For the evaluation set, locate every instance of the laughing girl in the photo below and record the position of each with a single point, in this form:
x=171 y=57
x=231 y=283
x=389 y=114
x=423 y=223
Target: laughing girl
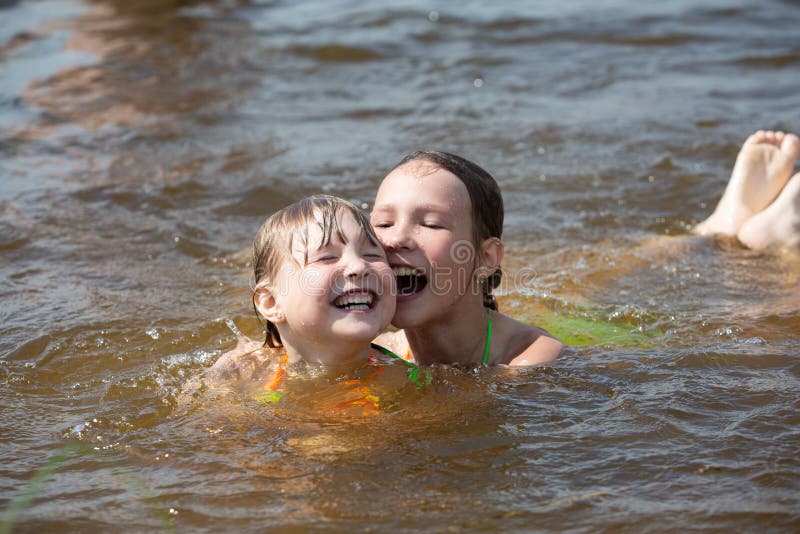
x=440 y=220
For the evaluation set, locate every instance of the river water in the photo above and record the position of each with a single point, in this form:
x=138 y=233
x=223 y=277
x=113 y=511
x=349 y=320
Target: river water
x=142 y=144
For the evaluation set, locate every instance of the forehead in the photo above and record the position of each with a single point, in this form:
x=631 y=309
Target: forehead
x=311 y=235
x=423 y=183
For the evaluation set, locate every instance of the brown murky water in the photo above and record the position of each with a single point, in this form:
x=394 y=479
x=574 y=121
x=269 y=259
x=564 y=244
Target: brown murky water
x=142 y=143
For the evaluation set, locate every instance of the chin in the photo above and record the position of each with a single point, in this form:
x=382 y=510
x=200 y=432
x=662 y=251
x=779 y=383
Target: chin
x=414 y=313
x=408 y=319
x=365 y=333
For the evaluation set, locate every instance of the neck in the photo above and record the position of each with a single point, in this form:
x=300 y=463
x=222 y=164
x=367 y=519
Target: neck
x=457 y=338
x=334 y=355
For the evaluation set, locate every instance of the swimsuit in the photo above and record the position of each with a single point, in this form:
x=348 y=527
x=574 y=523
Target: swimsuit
x=368 y=401
x=408 y=352
x=488 y=338
x=413 y=372
x=270 y=395
x=418 y=377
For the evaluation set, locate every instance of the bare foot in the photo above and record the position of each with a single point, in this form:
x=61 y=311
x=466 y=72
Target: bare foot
x=762 y=167
x=779 y=224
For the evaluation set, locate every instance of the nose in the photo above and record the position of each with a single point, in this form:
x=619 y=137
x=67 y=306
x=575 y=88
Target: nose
x=398 y=237
x=354 y=266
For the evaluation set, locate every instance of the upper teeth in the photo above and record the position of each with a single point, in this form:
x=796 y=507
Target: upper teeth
x=406 y=271
x=361 y=298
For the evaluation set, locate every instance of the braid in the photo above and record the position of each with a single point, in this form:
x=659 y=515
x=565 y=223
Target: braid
x=488 y=285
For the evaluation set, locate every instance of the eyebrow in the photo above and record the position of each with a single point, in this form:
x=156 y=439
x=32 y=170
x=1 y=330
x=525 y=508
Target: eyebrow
x=443 y=211
x=363 y=237
x=424 y=208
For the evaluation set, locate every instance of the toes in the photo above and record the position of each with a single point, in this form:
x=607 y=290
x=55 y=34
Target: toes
x=772 y=137
x=789 y=143
x=754 y=138
x=790 y=146
x=762 y=136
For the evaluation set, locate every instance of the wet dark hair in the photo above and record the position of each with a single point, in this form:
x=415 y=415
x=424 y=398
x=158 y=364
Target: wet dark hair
x=274 y=241
x=485 y=198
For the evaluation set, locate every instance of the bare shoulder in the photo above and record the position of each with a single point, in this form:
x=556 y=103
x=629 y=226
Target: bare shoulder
x=527 y=345
x=247 y=361
x=545 y=349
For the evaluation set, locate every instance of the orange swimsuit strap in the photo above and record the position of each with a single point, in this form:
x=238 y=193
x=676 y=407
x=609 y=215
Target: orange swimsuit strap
x=279 y=373
x=369 y=401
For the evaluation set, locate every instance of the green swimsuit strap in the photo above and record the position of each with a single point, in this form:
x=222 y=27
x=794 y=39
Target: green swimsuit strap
x=488 y=344
x=389 y=353
x=488 y=338
x=418 y=377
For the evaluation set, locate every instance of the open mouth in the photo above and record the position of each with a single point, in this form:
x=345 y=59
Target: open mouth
x=409 y=280
x=355 y=301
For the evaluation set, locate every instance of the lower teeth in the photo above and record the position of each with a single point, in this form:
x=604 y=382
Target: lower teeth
x=360 y=307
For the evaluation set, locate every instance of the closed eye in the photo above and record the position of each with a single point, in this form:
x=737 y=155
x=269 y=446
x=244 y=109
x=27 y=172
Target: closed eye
x=325 y=259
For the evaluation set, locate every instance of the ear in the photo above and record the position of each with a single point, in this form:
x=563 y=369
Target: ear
x=267 y=305
x=491 y=256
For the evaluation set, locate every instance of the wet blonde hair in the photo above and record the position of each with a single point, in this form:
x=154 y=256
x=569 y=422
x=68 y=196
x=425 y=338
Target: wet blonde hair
x=274 y=241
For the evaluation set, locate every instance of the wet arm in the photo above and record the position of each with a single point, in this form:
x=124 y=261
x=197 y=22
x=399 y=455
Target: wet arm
x=544 y=350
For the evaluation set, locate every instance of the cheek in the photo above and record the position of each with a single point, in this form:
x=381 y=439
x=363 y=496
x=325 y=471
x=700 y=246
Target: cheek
x=447 y=251
x=312 y=282
x=386 y=280
x=463 y=253
x=381 y=233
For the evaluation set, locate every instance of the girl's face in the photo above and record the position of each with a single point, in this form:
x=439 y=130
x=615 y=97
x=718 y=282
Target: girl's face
x=343 y=292
x=422 y=215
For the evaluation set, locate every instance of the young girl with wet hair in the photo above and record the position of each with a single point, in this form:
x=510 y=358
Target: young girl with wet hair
x=325 y=290
x=440 y=219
